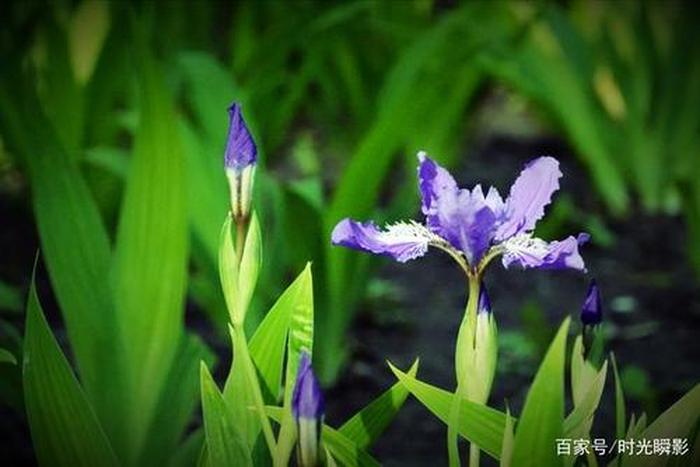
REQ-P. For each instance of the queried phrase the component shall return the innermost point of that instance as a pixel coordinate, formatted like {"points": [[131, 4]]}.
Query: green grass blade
{"points": [[226, 446], [543, 414], [189, 451], [65, 430], [477, 423], [368, 424], [151, 252]]}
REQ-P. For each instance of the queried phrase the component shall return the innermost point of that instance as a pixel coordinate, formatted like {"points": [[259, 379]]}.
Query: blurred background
{"points": [[340, 96]]}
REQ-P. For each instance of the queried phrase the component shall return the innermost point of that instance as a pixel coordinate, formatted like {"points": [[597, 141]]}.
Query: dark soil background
{"points": [[651, 298]]}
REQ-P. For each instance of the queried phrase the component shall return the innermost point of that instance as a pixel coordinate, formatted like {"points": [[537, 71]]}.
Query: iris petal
{"points": [[465, 219], [529, 195], [402, 241], [527, 252]]}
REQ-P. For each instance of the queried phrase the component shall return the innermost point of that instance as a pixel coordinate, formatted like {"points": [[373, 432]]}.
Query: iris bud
{"points": [[239, 161], [592, 310], [308, 409]]}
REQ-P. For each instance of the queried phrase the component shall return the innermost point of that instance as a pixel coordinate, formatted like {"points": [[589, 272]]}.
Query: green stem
{"points": [[240, 238], [465, 337], [252, 377]]}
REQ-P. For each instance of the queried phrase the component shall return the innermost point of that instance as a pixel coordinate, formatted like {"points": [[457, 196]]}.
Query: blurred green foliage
{"points": [[339, 95]]}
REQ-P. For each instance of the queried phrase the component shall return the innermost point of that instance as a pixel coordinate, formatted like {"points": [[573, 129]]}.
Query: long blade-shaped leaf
{"points": [[543, 414], [226, 446], [479, 424], [678, 422], [65, 430], [151, 253], [366, 425], [268, 344], [301, 338], [75, 246]]}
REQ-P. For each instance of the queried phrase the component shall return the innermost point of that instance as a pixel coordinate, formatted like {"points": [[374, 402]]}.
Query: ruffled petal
{"points": [[527, 252], [529, 195], [402, 241], [465, 219]]}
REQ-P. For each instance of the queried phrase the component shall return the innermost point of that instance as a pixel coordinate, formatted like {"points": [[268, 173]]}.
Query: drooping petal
{"points": [[527, 252], [529, 195], [465, 219], [402, 241]]}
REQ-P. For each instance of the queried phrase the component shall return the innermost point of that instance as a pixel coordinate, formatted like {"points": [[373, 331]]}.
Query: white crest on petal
{"points": [[523, 246]]}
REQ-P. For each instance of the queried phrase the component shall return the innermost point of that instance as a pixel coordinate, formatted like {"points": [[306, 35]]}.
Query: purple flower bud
{"points": [[484, 300], [307, 408], [240, 160], [240, 147], [592, 310], [307, 398]]}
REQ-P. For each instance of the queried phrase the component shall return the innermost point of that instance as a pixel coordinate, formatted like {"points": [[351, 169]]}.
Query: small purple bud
{"points": [[484, 300], [307, 408], [592, 310], [240, 147], [240, 161], [307, 398]]}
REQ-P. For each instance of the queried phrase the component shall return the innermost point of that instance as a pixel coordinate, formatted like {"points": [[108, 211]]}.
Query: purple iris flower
{"points": [[592, 309], [473, 227], [240, 159]]}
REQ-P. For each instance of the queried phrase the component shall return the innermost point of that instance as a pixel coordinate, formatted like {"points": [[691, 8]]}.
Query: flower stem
{"points": [[240, 238], [465, 337]]}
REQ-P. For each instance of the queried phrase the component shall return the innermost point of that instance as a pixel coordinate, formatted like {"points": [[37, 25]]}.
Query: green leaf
{"points": [[342, 448], [7, 357], [228, 272], [619, 401], [242, 391], [225, 443], [250, 265], [508, 439], [177, 402], [151, 252], [267, 346], [65, 430], [189, 451], [300, 338], [368, 424], [679, 421], [543, 414], [479, 424], [578, 423], [74, 243]]}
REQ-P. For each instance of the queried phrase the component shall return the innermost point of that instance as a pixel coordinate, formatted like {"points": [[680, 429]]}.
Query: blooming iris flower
{"points": [[472, 227], [592, 309], [308, 409], [240, 160]]}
